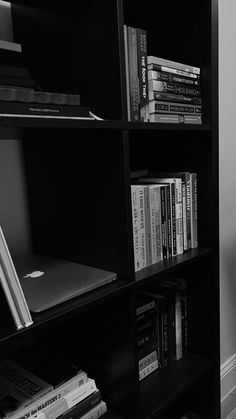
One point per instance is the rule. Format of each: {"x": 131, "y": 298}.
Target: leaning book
{"x": 12, "y": 287}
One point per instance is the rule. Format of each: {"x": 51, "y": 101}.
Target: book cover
{"x": 127, "y": 72}
{"x": 13, "y": 282}
{"x": 96, "y": 412}
{"x": 172, "y": 78}
{"x": 173, "y": 64}
{"x": 142, "y": 67}
{"x": 56, "y": 403}
{"x": 173, "y": 71}
{"x": 83, "y": 406}
{"x": 133, "y": 73}
{"x": 158, "y": 106}
{"x": 180, "y": 89}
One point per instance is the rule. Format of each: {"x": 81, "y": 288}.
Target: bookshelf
{"x": 83, "y": 211}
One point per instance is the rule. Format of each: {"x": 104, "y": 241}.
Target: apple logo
{"x": 34, "y": 274}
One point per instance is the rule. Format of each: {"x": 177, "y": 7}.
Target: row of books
{"x": 164, "y": 215}
{"x": 162, "y": 320}
{"x": 159, "y": 90}
{"x": 21, "y": 95}
{"x": 58, "y": 391}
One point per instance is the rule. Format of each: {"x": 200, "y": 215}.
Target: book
{"x": 83, "y": 406}
{"x": 174, "y": 119}
{"x": 170, "y": 70}
{"x": 14, "y": 71}
{"x": 173, "y": 64}
{"x": 148, "y": 369}
{"x": 156, "y": 106}
{"x": 171, "y": 78}
{"x": 136, "y": 227}
{"x": 10, "y": 46}
{"x": 180, "y": 89}
{"x": 9, "y": 309}
{"x": 43, "y": 110}
{"x": 12, "y": 287}
{"x": 133, "y": 73}
{"x": 56, "y": 406}
{"x": 194, "y": 211}
{"x": 176, "y": 208}
{"x": 174, "y": 97}
{"x": 96, "y": 412}
{"x": 19, "y": 387}
{"x": 127, "y": 72}
{"x": 17, "y": 81}
{"x": 142, "y": 68}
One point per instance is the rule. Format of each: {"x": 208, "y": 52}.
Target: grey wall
{"x": 227, "y": 89}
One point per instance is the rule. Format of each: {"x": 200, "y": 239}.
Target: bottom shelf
{"x": 161, "y": 388}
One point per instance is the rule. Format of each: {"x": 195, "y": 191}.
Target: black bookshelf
{"x": 83, "y": 212}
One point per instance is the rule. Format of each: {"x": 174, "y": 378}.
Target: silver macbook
{"x": 48, "y": 281}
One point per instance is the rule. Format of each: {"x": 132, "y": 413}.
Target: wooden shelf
{"x": 164, "y": 386}
{"x": 24, "y": 121}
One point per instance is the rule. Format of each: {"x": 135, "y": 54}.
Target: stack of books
{"x": 174, "y": 92}
{"x": 164, "y": 214}
{"x": 13, "y": 70}
{"x": 159, "y": 90}
{"x": 161, "y": 314}
{"x": 20, "y": 95}
{"x": 61, "y": 390}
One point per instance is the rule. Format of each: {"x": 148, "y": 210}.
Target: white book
{"x": 11, "y": 46}
{"x": 10, "y": 300}
{"x": 136, "y": 226}
{"x": 13, "y": 282}
{"x": 52, "y": 406}
{"x": 148, "y": 370}
{"x": 173, "y": 64}
{"x": 96, "y": 412}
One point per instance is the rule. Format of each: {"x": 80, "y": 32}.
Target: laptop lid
{"x": 48, "y": 281}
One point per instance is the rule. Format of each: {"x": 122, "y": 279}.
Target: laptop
{"x": 48, "y": 281}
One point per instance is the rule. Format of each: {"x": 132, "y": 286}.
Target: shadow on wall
{"x": 14, "y": 216}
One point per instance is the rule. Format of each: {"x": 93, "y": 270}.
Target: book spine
{"x": 14, "y": 71}
{"x": 96, "y": 412}
{"x": 39, "y": 109}
{"x": 127, "y": 72}
{"x": 140, "y": 310}
{"x": 179, "y": 216}
{"x": 60, "y": 404}
{"x": 14, "y": 283}
{"x": 142, "y": 66}
{"x": 172, "y": 70}
{"x": 166, "y": 119}
{"x": 173, "y": 97}
{"x": 164, "y": 334}
{"x": 148, "y": 370}
{"x": 172, "y": 107}
{"x": 171, "y": 78}
{"x": 169, "y": 221}
{"x": 142, "y": 242}
{"x": 173, "y": 64}
{"x": 133, "y": 73}
{"x": 74, "y": 384}
{"x": 83, "y": 406}
{"x": 188, "y": 208}
{"x": 17, "y": 81}
{"x": 173, "y": 218}
{"x": 153, "y": 223}
{"x": 147, "y": 226}
{"x": 164, "y": 235}
{"x": 184, "y": 311}
{"x": 157, "y": 213}
{"x": 180, "y": 89}
{"x": 178, "y": 326}
{"x": 135, "y": 220}
{"x": 193, "y": 203}
{"x": 185, "y": 241}
{"x": 192, "y": 119}
{"x": 147, "y": 360}
{"x": 19, "y": 324}
{"x": 10, "y": 46}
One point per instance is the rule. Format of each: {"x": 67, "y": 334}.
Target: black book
{"x": 17, "y": 81}
{"x": 14, "y": 71}
{"x": 43, "y": 110}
